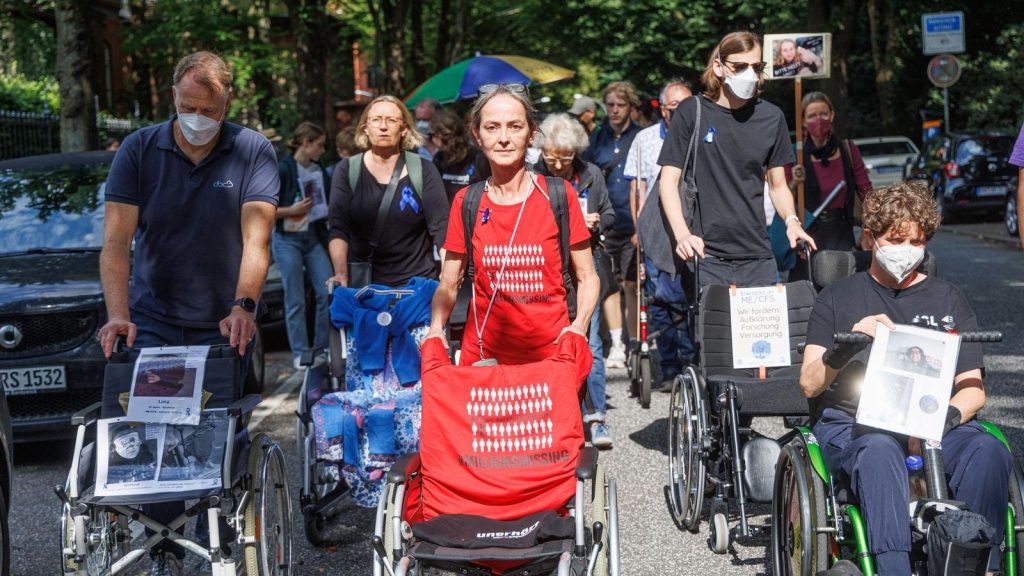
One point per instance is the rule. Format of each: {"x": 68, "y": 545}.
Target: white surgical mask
{"x": 744, "y": 84}
{"x": 899, "y": 260}
{"x": 197, "y": 129}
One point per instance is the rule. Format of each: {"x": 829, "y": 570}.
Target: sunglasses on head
{"x": 741, "y": 67}
{"x": 513, "y": 88}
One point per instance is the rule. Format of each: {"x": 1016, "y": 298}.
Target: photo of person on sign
{"x": 798, "y": 57}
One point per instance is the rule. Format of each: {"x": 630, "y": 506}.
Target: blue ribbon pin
{"x": 471, "y": 170}
{"x": 408, "y": 199}
{"x": 710, "y": 136}
{"x": 486, "y": 216}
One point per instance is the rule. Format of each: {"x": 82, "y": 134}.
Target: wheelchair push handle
{"x": 966, "y": 337}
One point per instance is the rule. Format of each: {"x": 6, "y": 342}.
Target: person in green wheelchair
{"x": 899, "y": 221}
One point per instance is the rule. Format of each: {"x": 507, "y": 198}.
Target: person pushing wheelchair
{"x": 899, "y": 221}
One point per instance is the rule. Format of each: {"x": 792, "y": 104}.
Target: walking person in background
{"x": 584, "y": 110}
{"x": 416, "y": 220}
{"x": 741, "y": 139}
{"x": 562, "y": 139}
{"x": 609, "y": 145}
{"x": 664, "y": 287}
{"x": 457, "y": 159}
{"x": 831, "y": 161}
{"x": 1017, "y": 159}
{"x": 300, "y": 238}
{"x": 425, "y": 110}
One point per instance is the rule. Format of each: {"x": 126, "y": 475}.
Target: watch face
{"x": 247, "y": 304}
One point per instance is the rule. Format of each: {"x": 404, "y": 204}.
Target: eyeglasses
{"x": 513, "y": 88}
{"x": 560, "y": 159}
{"x": 391, "y": 121}
{"x": 740, "y": 67}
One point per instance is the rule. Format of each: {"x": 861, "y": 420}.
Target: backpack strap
{"x": 470, "y": 206}
{"x": 560, "y": 209}
{"x": 355, "y": 166}
{"x": 414, "y": 164}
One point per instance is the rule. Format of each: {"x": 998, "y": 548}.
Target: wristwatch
{"x": 247, "y": 304}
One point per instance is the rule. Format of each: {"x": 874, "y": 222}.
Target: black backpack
{"x": 560, "y": 209}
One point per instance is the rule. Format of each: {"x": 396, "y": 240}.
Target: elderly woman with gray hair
{"x": 562, "y": 139}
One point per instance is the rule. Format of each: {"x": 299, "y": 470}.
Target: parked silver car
{"x": 885, "y": 157}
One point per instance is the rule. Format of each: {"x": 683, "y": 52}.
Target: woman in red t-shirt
{"x": 518, "y": 310}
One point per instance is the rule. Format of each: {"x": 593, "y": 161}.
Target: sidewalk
{"x": 994, "y": 232}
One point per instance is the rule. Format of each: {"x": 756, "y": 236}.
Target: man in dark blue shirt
{"x": 609, "y": 146}
{"x": 197, "y": 196}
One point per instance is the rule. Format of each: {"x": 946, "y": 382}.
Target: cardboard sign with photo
{"x": 193, "y": 455}
{"x": 805, "y": 55}
{"x": 167, "y": 385}
{"x": 127, "y": 456}
{"x": 908, "y": 381}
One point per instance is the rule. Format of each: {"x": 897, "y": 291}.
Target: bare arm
{"x": 687, "y": 244}
{"x": 119, "y": 224}
{"x": 239, "y": 326}
{"x": 339, "y": 259}
{"x": 453, "y": 268}
{"x": 815, "y": 376}
{"x": 782, "y": 199}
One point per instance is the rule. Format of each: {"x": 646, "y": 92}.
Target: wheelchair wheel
{"x": 718, "y": 533}
{"x": 321, "y": 483}
{"x": 106, "y": 539}
{"x": 645, "y": 381}
{"x": 599, "y": 508}
{"x": 686, "y": 431}
{"x": 799, "y": 548}
{"x": 268, "y": 512}
{"x": 1017, "y": 502}
{"x": 633, "y": 370}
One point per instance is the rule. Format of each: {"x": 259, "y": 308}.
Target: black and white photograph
{"x": 127, "y": 461}
{"x": 194, "y": 452}
{"x": 892, "y": 403}
{"x": 804, "y": 55}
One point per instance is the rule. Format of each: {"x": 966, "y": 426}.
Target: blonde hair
{"x": 624, "y": 90}
{"x": 732, "y": 43}
{"x": 895, "y": 206}
{"x": 412, "y": 139}
{"x": 209, "y": 70}
{"x": 305, "y": 132}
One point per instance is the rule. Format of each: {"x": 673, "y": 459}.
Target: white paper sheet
{"x": 167, "y": 385}
{"x": 760, "y": 327}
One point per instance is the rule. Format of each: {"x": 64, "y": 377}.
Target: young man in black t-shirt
{"x": 741, "y": 141}
{"x": 899, "y": 220}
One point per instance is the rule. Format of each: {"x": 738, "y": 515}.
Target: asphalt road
{"x": 991, "y": 274}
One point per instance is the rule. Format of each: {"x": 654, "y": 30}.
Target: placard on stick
{"x": 802, "y": 55}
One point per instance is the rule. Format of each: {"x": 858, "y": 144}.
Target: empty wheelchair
{"x": 357, "y": 410}
{"x": 816, "y": 518}
{"x": 713, "y": 451}
{"x": 500, "y": 485}
{"x": 104, "y": 535}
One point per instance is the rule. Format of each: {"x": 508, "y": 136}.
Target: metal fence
{"x": 30, "y": 133}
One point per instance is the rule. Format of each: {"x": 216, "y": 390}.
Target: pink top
{"x": 829, "y": 176}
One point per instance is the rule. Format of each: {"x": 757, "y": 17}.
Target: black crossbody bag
{"x": 360, "y": 274}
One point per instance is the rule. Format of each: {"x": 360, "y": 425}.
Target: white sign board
{"x": 760, "y": 327}
{"x": 908, "y": 381}
{"x": 167, "y": 386}
{"x": 943, "y": 32}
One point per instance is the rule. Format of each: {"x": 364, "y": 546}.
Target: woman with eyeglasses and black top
{"x": 741, "y": 139}
{"x": 416, "y": 219}
{"x": 519, "y": 306}
{"x": 457, "y": 159}
{"x": 832, "y": 161}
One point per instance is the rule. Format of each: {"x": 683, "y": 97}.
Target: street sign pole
{"x": 945, "y": 109}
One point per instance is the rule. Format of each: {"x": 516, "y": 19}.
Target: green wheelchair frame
{"x": 801, "y": 472}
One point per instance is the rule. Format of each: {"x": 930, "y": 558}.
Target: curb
{"x": 1005, "y": 240}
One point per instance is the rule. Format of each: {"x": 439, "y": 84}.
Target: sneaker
{"x": 616, "y": 357}
{"x": 599, "y": 435}
{"x": 297, "y": 363}
{"x": 165, "y": 565}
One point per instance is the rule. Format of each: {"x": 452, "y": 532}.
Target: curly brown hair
{"x": 892, "y": 207}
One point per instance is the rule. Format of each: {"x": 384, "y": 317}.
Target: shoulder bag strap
{"x": 470, "y": 206}
{"x": 385, "y": 205}
{"x": 355, "y": 166}
{"x": 414, "y": 163}
{"x": 560, "y": 208}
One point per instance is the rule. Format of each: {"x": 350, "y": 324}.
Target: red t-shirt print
{"x": 529, "y": 309}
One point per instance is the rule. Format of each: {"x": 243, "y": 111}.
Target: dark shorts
{"x": 620, "y": 248}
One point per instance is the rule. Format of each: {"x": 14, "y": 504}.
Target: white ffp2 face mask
{"x": 744, "y": 84}
{"x": 899, "y": 260}
{"x": 197, "y": 129}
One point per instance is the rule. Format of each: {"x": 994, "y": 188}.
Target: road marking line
{"x": 271, "y": 403}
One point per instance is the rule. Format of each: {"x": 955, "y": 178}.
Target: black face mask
{"x": 825, "y": 151}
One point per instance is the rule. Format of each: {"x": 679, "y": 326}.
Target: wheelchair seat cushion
{"x": 475, "y": 532}
{"x": 777, "y": 395}
{"x": 426, "y": 551}
{"x": 501, "y": 441}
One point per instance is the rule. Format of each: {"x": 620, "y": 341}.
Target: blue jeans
{"x": 674, "y": 345}
{"x": 293, "y": 251}
{"x": 596, "y": 380}
{"x": 152, "y": 333}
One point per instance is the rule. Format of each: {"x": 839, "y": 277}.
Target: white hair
{"x": 562, "y": 132}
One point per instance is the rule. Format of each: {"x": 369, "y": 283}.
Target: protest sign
{"x": 167, "y": 385}
{"x": 760, "y": 327}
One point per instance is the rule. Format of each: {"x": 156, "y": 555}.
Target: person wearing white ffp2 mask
{"x": 201, "y": 110}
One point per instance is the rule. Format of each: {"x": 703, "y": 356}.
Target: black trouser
{"x": 742, "y": 273}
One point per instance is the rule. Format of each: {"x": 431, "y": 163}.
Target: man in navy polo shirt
{"x": 197, "y": 195}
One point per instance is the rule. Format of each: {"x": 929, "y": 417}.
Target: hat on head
{"x": 271, "y": 134}
{"x": 583, "y": 104}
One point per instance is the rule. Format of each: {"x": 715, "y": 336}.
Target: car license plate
{"x": 888, "y": 169}
{"x": 990, "y": 190}
{"x": 33, "y": 380}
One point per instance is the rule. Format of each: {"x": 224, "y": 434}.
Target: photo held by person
{"x": 738, "y": 139}
{"x": 835, "y": 165}
{"x": 562, "y": 139}
{"x": 526, "y": 294}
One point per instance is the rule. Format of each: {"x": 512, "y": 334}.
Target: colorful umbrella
{"x": 460, "y": 81}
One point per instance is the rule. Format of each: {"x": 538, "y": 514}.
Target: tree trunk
{"x": 441, "y": 60}
{"x": 308, "y": 20}
{"x": 394, "y": 14}
{"x": 883, "y": 48}
{"x": 841, "y": 17}
{"x": 419, "y": 66}
{"x": 74, "y": 74}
